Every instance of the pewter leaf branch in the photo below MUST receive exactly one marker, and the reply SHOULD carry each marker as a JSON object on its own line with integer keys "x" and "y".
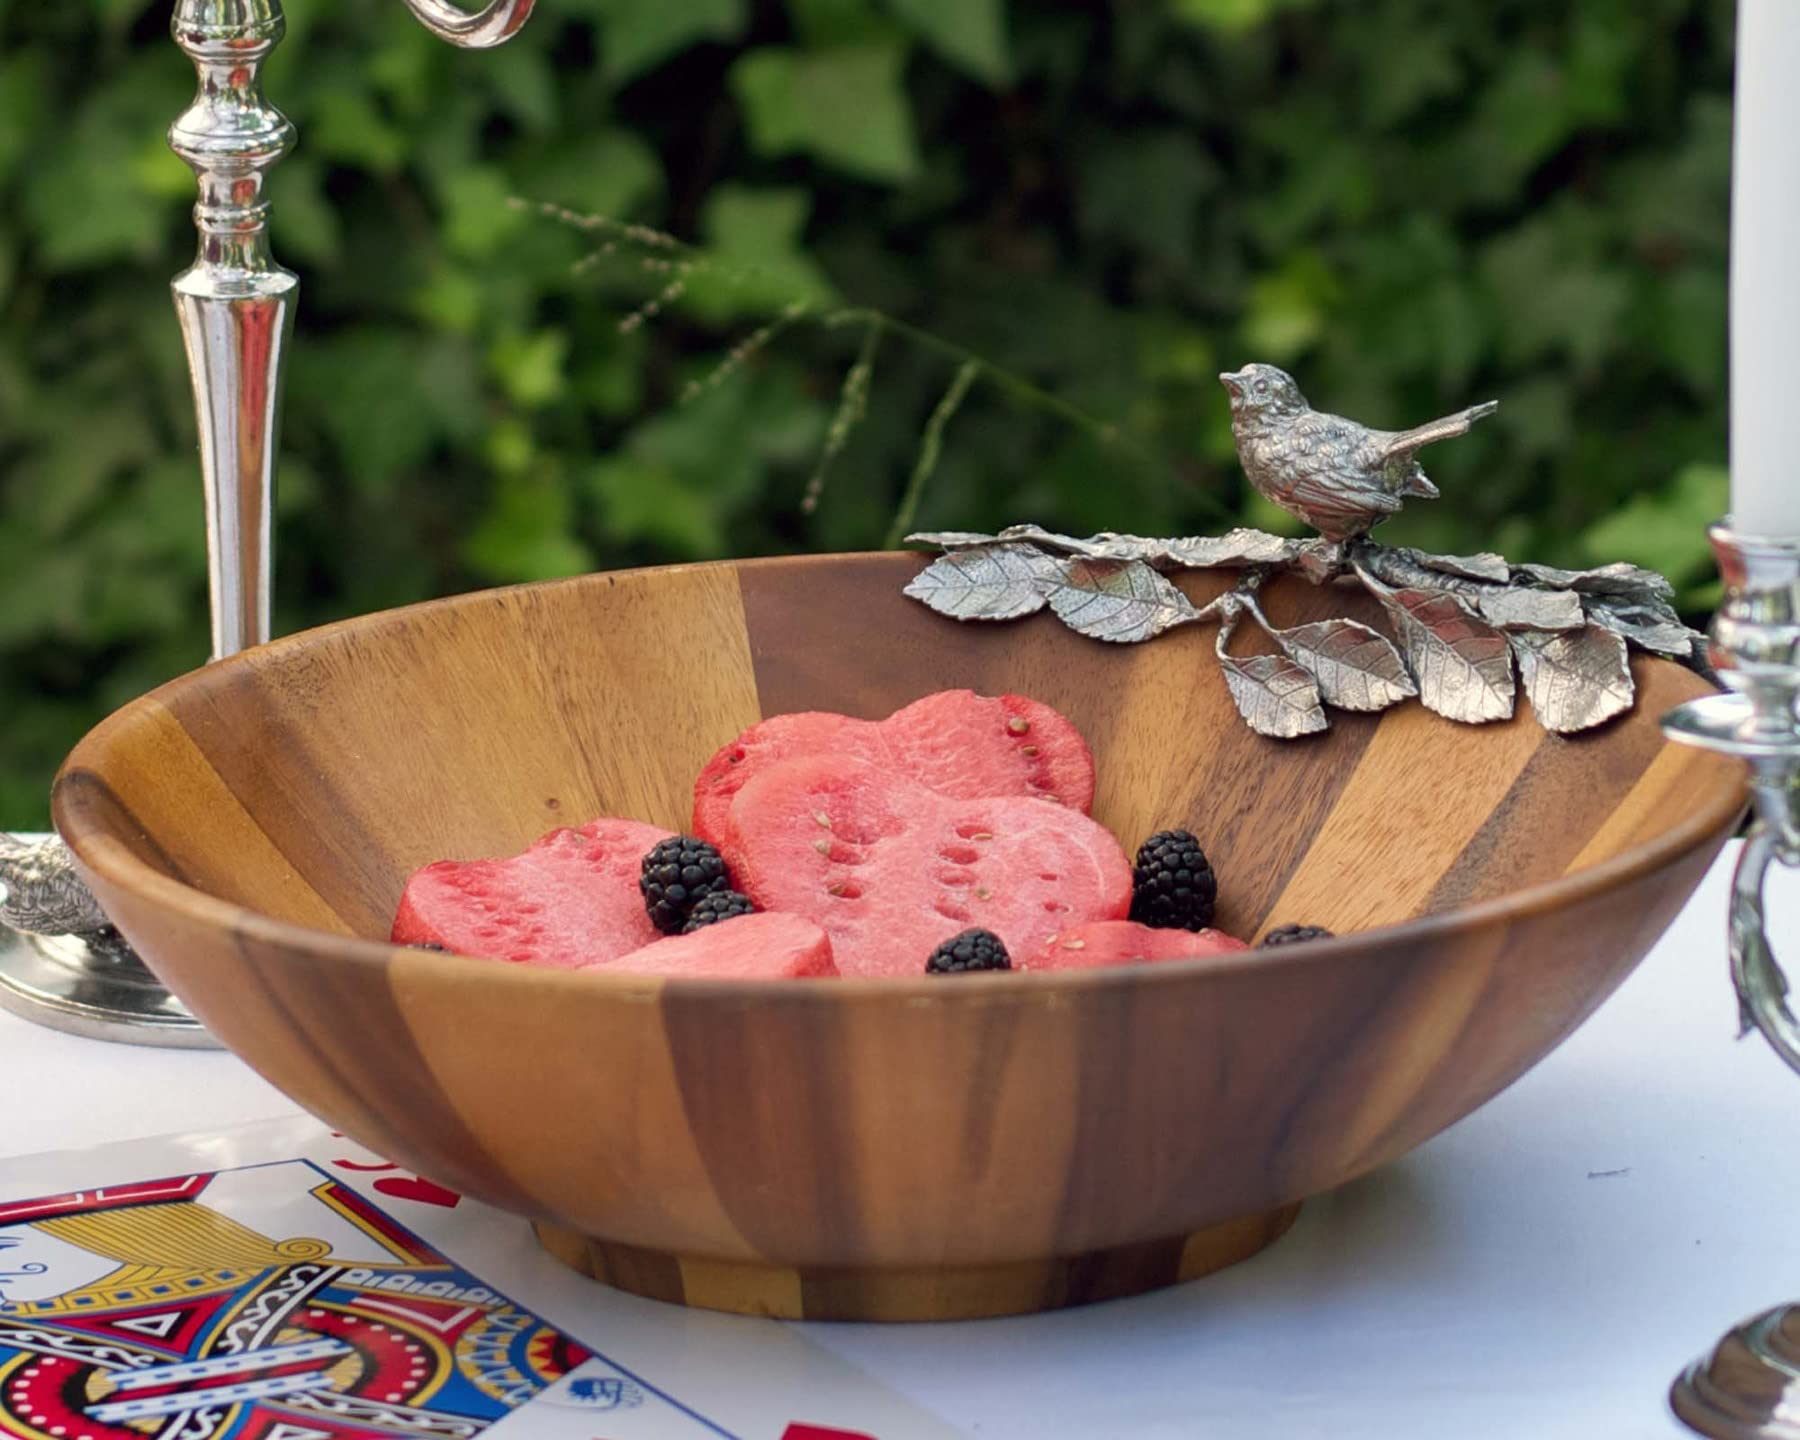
{"x": 1460, "y": 623}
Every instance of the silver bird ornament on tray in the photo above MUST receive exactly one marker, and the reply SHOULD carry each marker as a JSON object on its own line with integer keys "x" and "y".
{"x": 1340, "y": 477}
{"x": 1466, "y": 632}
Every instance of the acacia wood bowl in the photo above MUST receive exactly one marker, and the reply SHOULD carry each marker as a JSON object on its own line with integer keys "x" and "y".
{"x": 930, "y": 1148}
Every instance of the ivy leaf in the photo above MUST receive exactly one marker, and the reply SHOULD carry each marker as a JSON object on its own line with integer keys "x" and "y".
{"x": 845, "y": 106}
{"x": 820, "y": 24}
{"x": 1147, "y": 192}
{"x": 1121, "y": 602}
{"x": 526, "y": 533}
{"x": 1665, "y": 529}
{"x": 641, "y": 34}
{"x": 602, "y": 172}
{"x": 477, "y": 219}
{"x": 525, "y": 86}
{"x": 969, "y": 33}
{"x": 997, "y": 582}
{"x": 755, "y": 234}
{"x": 1289, "y": 308}
{"x": 530, "y": 367}
{"x": 1231, "y": 16}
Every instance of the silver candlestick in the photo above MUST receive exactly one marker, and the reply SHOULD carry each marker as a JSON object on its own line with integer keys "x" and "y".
{"x": 61, "y": 963}
{"x": 1748, "y": 1387}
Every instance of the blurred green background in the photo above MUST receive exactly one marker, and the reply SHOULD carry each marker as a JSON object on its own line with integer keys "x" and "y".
{"x": 1412, "y": 204}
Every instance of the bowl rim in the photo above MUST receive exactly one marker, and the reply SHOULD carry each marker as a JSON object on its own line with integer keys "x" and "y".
{"x": 104, "y": 856}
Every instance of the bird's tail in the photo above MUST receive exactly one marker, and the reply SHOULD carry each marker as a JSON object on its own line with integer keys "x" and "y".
{"x": 1447, "y": 428}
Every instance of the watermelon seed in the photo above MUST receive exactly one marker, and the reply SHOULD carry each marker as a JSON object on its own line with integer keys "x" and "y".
{"x": 983, "y": 893}
{"x": 822, "y": 846}
{"x": 1028, "y": 750}
{"x": 1018, "y": 725}
{"x": 822, "y": 818}
{"x": 1074, "y": 944}
{"x": 982, "y": 835}
{"x": 845, "y": 890}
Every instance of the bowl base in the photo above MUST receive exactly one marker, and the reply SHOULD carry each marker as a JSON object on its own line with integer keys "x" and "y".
{"x": 975, "y": 1293}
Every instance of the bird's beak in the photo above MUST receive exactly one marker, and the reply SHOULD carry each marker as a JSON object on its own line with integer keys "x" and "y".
{"x": 1232, "y": 381}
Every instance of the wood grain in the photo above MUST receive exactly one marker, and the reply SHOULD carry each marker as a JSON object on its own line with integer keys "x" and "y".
{"x": 978, "y": 1292}
{"x": 882, "y": 1149}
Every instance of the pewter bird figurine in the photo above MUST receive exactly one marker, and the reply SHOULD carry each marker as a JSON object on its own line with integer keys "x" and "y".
{"x": 1341, "y": 478}
{"x": 40, "y": 893}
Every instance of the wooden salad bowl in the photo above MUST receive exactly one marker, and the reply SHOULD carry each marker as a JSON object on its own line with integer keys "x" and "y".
{"x": 903, "y": 1149}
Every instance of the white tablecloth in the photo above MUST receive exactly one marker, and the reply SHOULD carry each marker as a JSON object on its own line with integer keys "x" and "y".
{"x": 1541, "y": 1270}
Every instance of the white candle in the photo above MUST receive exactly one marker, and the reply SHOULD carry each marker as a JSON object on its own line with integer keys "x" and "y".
{"x": 1765, "y": 271}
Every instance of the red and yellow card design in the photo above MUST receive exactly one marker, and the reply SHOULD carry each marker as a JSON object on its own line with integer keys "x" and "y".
{"x": 281, "y": 1301}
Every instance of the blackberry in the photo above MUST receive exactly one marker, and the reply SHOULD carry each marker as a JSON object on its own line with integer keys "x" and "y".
{"x": 1172, "y": 885}
{"x": 719, "y": 905}
{"x": 971, "y": 950}
{"x": 1294, "y": 934}
{"x": 678, "y": 873}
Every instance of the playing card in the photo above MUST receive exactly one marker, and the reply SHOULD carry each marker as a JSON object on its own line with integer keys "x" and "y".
{"x": 280, "y": 1283}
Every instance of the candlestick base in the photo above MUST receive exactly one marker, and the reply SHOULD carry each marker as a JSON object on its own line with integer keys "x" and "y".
{"x": 93, "y": 986}
{"x": 1748, "y": 1388}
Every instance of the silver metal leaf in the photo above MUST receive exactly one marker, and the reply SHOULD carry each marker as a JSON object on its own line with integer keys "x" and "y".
{"x": 1485, "y": 566}
{"x": 1463, "y": 666}
{"x": 1277, "y": 697}
{"x": 952, "y": 539}
{"x": 1235, "y": 547}
{"x": 1095, "y": 548}
{"x": 1620, "y": 579}
{"x": 1104, "y": 546}
{"x": 1521, "y": 608}
{"x": 1407, "y": 569}
{"x": 1195, "y": 552}
{"x": 1355, "y": 667}
{"x": 1121, "y": 602}
{"x": 1576, "y": 680}
{"x": 1652, "y": 625}
{"x": 993, "y": 582}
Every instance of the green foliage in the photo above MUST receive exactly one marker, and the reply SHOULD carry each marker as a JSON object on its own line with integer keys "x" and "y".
{"x": 1410, "y": 204}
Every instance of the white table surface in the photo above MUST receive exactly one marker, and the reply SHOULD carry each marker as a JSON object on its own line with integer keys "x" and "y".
{"x": 1541, "y": 1270}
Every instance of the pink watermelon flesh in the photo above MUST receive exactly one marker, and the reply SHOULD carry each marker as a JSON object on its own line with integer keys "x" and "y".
{"x": 570, "y": 900}
{"x": 767, "y": 744}
{"x": 751, "y": 947}
{"x": 890, "y": 868}
{"x": 1125, "y": 942}
{"x": 957, "y": 742}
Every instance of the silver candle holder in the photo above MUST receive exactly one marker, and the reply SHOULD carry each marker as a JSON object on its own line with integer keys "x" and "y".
{"x": 61, "y": 963}
{"x": 1748, "y": 1386}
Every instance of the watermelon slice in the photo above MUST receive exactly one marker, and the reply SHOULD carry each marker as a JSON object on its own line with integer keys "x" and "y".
{"x": 1125, "y": 942}
{"x": 570, "y": 900}
{"x": 957, "y": 742}
{"x": 889, "y": 867}
{"x": 751, "y": 947}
